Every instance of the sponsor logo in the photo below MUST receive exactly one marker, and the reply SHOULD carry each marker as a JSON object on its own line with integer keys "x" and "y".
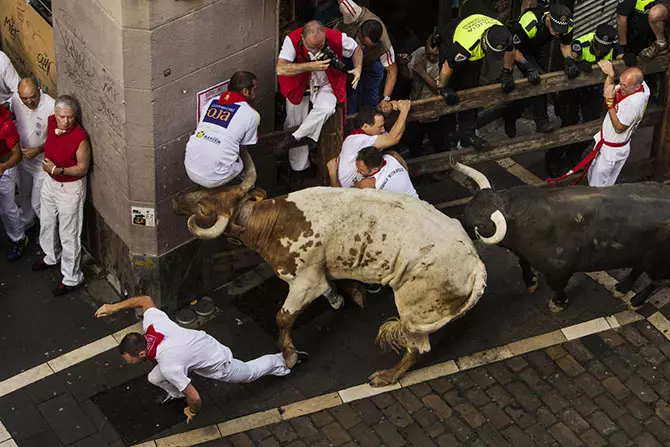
{"x": 220, "y": 114}
{"x": 460, "y": 57}
{"x": 202, "y": 135}
{"x": 576, "y": 47}
{"x": 516, "y": 39}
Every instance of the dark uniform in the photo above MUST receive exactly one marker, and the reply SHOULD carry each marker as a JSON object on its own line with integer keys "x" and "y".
{"x": 586, "y": 102}
{"x": 532, "y": 38}
{"x": 639, "y": 34}
{"x": 461, "y": 48}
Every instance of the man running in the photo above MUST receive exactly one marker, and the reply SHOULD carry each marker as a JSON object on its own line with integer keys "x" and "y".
{"x": 178, "y": 351}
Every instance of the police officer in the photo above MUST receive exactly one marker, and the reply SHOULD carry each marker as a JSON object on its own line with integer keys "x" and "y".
{"x": 533, "y": 33}
{"x": 632, "y": 21}
{"x": 658, "y": 15}
{"x": 464, "y": 46}
{"x": 586, "y": 50}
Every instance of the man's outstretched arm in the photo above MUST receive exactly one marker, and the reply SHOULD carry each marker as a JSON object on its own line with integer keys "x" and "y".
{"x": 145, "y": 302}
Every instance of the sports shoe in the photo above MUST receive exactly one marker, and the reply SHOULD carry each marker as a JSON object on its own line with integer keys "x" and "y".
{"x": 303, "y": 357}
{"x": 654, "y": 50}
{"x": 17, "y": 249}
{"x": 335, "y": 300}
{"x": 166, "y": 399}
{"x": 373, "y": 288}
{"x": 41, "y": 266}
{"x": 62, "y": 289}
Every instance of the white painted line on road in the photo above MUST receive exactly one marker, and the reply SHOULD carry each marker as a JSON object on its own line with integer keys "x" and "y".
{"x": 83, "y": 353}
{"x": 190, "y": 438}
{"x": 538, "y": 342}
{"x": 118, "y": 336}
{"x": 4, "y": 434}
{"x": 484, "y": 358}
{"x": 429, "y": 373}
{"x": 661, "y": 323}
{"x": 9, "y": 443}
{"x": 310, "y": 406}
{"x": 363, "y": 391}
{"x": 25, "y": 378}
{"x": 587, "y": 328}
{"x": 248, "y": 422}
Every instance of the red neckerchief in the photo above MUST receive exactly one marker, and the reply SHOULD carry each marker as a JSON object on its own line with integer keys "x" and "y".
{"x": 153, "y": 339}
{"x": 377, "y": 171}
{"x": 618, "y": 97}
{"x": 358, "y": 131}
{"x": 231, "y": 98}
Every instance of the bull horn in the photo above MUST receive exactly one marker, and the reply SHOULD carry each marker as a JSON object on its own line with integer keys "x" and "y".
{"x": 474, "y": 174}
{"x": 249, "y": 171}
{"x": 501, "y": 229}
{"x": 212, "y": 232}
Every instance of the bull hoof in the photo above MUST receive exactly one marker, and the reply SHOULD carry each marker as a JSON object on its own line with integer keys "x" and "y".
{"x": 291, "y": 358}
{"x": 557, "y": 306}
{"x": 533, "y": 286}
{"x": 383, "y": 377}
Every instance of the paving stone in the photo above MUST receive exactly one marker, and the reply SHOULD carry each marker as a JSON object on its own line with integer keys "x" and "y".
{"x": 618, "y": 367}
{"x": 584, "y": 405}
{"x": 241, "y": 440}
{"x": 658, "y": 428}
{"x": 630, "y": 425}
{"x": 574, "y": 421}
{"x": 496, "y": 416}
{"x": 364, "y": 435}
{"x": 554, "y": 401}
{"x": 540, "y": 435}
{"x": 662, "y": 410}
{"x": 589, "y": 385}
{"x": 517, "y": 437}
{"x": 636, "y": 407}
{"x": 438, "y": 406}
{"x": 470, "y": 414}
{"x": 389, "y": 435}
{"x": 481, "y": 377}
{"x": 490, "y": 436}
{"x": 646, "y": 440}
{"x": 641, "y": 389}
{"x": 620, "y": 439}
{"x": 424, "y": 417}
{"x": 43, "y": 439}
{"x": 336, "y": 434}
{"x": 283, "y": 431}
{"x": 516, "y": 364}
{"x": 610, "y": 406}
{"x": 383, "y": 400}
{"x": 533, "y": 381}
{"x": 592, "y": 438}
{"x": 300, "y": 443}
{"x": 601, "y": 422}
{"x": 564, "y": 435}
{"x": 612, "y": 338}
{"x": 45, "y": 389}
{"x": 632, "y": 335}
{"x": 407, "y": 399}
{"x": 653, "y": 355}
{"x": 454, "y": 398}
{"x": 500, "y": 395}
{"x": 616, "y": 388}
{"x": 598, "y": 370}
{"x": 258, "y": 434}
{"x": 66, "y": 419}
{"x": 448, "y": 440}
{"x": 629, "y": 354}
{"x": 498, "y": 371}
{"x": 416, "y": 436}
{"x": 420, "y": 389}
{"x": 20, "y": 416}
{"x": 578, "y": 350}
{"x": 367, "y": 411}
{"x": 477, "y": 397}
{"x": 597, "y": 345}
{"x": 649, "y": 373}
{"x": 321, "y": 418}
{"x": 304, "y": 428}
{"x": 441, "y": 385}
{"x": 520, "y": 416}
{"x": 663, "y": 389}
{"x": 545, "y": 417}
{"x": 462, "y": 381}
{"x": 542, "y": 362}
{"x": 459, "y": 428}
{"x": 524, "y": 396}
{"x": 95, "y": 440}
{"x": 563, "y": 384}
{"x": 346, "y": 416}
{"x": 556, "y": 352}
{"x": 397, "y": 415}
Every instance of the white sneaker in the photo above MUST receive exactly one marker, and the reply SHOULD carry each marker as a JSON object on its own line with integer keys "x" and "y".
{"x": 335, "y": 300}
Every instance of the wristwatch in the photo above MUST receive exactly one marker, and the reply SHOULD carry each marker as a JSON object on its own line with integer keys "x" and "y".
{"x": 387, "y": 98}
{"x": 62, "y": 171}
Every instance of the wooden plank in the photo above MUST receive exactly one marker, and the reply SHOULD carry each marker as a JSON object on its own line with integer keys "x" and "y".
{"x": 661, "y": 143}
{"x": 520, "y": 145}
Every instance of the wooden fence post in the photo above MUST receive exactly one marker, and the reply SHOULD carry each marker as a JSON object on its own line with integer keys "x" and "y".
{"x": 330, "y": 143}
{"x": 660, "y": 149}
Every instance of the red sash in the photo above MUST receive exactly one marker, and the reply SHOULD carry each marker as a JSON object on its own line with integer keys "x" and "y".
{"x": 586, "y": 162}
{"x": 153, "y": 339}
{"x": 358, "y": 131}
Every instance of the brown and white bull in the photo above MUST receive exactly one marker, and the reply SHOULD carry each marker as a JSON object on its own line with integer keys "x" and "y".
{"x": 320, "y": 233}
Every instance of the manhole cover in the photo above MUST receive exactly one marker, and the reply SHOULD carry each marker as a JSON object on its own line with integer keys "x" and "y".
{"x": 185, "y": 316}
{"x": 204, "y": 306}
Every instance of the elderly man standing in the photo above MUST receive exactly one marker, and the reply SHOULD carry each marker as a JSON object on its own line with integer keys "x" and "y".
{"x": 626, "y": 104}
{"x": 10, "y": 156}
{"x": 379, "y": 56}
{"x": 67, "y": 157}
{"x": 32, "y": 109}
{"x": 310, "y": 70}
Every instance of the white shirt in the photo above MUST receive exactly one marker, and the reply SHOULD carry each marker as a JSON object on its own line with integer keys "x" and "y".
{"x": 213, "y": 150}
{"x": 185, "y": 350}
{"x": 319, "y": 78}
{"x": 394, "y": 177}
{"x": 347, "y": 174}
{"x": 32, "y": 124}
{"x": 9, "y": 79}
{"x": 630, "y": 112}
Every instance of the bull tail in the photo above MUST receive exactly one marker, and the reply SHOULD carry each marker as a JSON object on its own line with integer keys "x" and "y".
{"x": 392, "y": 335}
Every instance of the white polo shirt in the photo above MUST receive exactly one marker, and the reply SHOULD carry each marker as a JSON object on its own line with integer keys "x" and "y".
{"x": 213, "y": 151}
{"x": 347, "y": 174}
{"x": 394, "y": 177}
{"x": 185, "y": 350}
{"x": 9, "y": 79}
{"x": 32, "y": 124}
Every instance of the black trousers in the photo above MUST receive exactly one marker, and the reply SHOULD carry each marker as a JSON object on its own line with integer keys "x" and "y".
{"x": 539, "y": 57}
{"x": 436, "y": 131}
{"x": 466, "y": 75}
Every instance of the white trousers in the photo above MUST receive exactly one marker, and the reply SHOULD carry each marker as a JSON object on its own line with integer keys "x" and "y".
{"x": 310, "y": 121}
{"x": 234, "y": 371}
{"x": 30, "y": 179}
{"x": 605, "y": 170}
{"x": 9, "y": 211}
{"x": 61, "y": 219}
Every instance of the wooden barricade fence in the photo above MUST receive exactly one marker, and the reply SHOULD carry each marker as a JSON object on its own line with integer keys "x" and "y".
{"x": 657, "y": 115}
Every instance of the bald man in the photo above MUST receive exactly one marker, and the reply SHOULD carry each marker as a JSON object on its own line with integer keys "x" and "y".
{"x": 31, "y": 108}
{"x": 626, "y": 103}
{"x": 308, "y": 72}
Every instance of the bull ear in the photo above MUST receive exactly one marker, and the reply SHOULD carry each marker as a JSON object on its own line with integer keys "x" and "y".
{"x": 258, "y": 193}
